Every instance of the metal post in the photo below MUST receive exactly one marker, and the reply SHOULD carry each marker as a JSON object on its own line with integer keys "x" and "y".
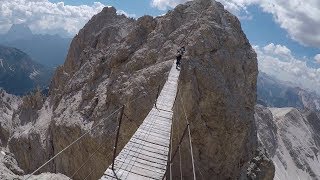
{"x": 118, "y": 132}
{"x": 171, "y": 144}
{"x": 158, "y": 93}
{"x": 175, "y": 152}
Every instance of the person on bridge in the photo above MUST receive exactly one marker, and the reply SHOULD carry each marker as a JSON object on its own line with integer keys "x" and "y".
{"x": 180, "y": 53}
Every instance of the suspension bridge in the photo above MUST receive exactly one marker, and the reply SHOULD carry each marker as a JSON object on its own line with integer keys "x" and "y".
{"x": 149, "y": 153}
{"x": 145, "y": 155}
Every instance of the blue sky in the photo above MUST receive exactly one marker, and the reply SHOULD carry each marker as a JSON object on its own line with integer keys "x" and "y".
{"x": 261, "y": 29}
{"x": 138, "y": 7}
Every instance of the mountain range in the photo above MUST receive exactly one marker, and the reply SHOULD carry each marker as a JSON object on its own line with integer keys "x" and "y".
{"x": 49, "y": 50}
{"x": 19, "y": 74}
{"x": 275, "y": 93}
{"x": 291, "y": 138}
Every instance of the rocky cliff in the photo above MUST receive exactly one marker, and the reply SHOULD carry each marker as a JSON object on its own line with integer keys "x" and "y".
{"x": 218, "y": 86}
{"x": 291, "y": 138}
{"x": 9, "y": 168}
{"x": 8, "y": 105}
{"x": 8, "y": 165}
{"x": 115, "y": 59}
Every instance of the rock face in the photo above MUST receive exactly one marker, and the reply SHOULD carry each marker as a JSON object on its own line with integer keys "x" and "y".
{"x": 291, "y": 138}
{"x": 8, "y": 105}
{"x": 275, "y": 93}
{"x": 218, "y": 105}
{"x": 114, "y": 60}
{"x": 9, "y": 168}
{"x": 260, "y": 167}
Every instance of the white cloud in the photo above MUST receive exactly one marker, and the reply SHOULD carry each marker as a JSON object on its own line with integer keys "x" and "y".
{"x": 231, "y": 5}
{"x": 317, "y": 58}
{"x": 300, "y": 18}
{"x": 237, "y": 7}
{"x": 286, "y": 67}
{"x": 278, "y": 50}
{"x": 165, "y": 4}
{"x": 120, "y": 12}
{"x": 45, "y": 17}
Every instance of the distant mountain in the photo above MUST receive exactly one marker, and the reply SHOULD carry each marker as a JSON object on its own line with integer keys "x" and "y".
{"x": 292, "y": 140}
{"x": 275, "y": 93}
{"x": 49, "y": 50}
{"x": 18, "y": 31}
{"x": 19, "y": 74}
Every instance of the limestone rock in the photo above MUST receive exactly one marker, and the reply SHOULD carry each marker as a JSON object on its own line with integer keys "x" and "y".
{"x": 11, "y": 164}
{"x": 9, "y": 169}
{"x": 8, "y": 165}
{"x": 28, "y": 110}
{"x": 48, "y": 176}
{"x": 267, "y": 129}
{"x": 261, "y": 167}
{"x": 218, "y": 86}
{"x": 8, "y": 105}
{"x": 291, "y": 138}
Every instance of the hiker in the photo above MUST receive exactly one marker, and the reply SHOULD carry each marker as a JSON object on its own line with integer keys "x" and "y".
{"x": 180, "y": 53}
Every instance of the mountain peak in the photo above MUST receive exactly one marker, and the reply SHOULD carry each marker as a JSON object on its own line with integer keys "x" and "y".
{"x": 19, "y": 31}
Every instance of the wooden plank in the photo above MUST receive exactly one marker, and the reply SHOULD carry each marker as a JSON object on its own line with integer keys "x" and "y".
{"x": 145, "y": 155}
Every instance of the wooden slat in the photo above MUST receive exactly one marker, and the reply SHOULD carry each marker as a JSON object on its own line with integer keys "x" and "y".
{"x": 145, "y": 155}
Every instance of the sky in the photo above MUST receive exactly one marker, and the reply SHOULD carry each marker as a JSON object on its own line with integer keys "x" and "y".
{"x": 285, "y": 34}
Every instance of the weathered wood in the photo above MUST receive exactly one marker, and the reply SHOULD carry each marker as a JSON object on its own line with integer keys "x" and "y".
{"x": 145, "y": 155}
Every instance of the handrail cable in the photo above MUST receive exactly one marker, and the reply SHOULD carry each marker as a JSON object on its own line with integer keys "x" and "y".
{"x": 190, "y": 138}
{"x": 175, "y": 152}
{"x": 83, "y": 164}
{"x": 90, "y": 159}
{"x": 92, "y": 170}
{"x": 180, "y": 161}
{"x": 94, "y": 152}
{"x": 88, "y": 175}
{"x": 102, "y": 120}
{"x": 198, "y": 167}
{"x": 75, "y": 141}
{"x": 114, "y": 131}
{"x": 171, "y": 144}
